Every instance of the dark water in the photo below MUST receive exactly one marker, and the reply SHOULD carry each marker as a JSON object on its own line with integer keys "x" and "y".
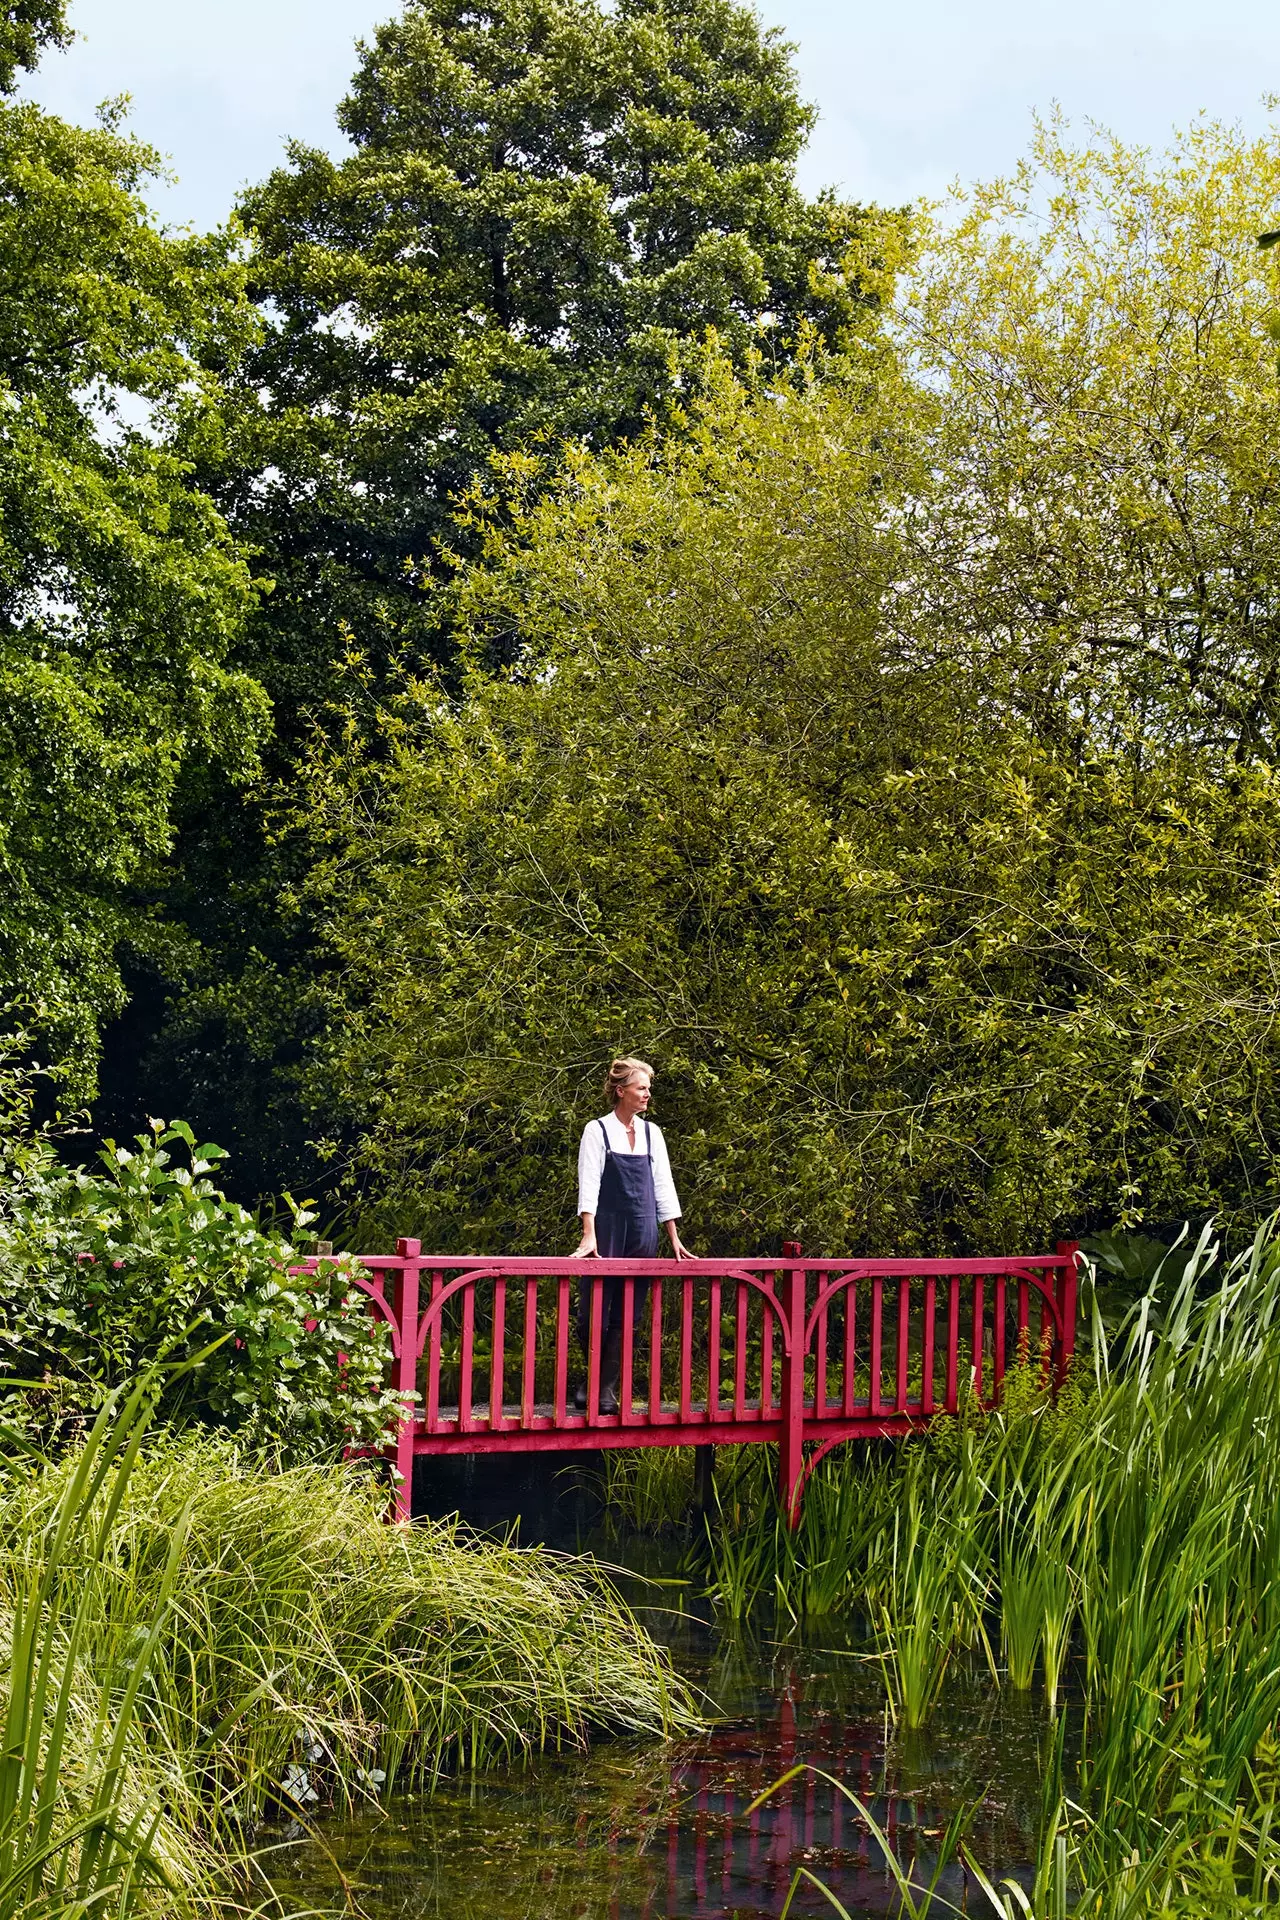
{"x": 646, "y": 1830}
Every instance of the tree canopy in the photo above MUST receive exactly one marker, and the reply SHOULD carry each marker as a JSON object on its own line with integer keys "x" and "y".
{"x": 121, "y": 592}
{"x": 891, "y": 760}
{"x": 547, "y": 202}
{"x": 546, "y": 205}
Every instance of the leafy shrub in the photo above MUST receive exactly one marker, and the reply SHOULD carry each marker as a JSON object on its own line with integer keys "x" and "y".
{"x": 105, "y": 1269}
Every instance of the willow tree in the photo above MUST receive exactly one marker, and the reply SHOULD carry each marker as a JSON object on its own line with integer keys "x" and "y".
{"x": 892, "y": 760}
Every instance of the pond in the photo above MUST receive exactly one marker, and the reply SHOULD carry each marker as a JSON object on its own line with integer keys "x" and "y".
{"x": 646, "y": 1830}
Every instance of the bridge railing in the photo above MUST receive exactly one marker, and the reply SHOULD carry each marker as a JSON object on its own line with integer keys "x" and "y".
{"x": 802, "y": 1352}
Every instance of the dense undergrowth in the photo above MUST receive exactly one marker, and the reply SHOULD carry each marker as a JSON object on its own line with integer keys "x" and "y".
{"x": 197, "y": 1640}
{"x": 1118, "y": 1550}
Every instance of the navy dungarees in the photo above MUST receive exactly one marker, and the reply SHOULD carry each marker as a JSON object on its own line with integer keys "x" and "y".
{"x": 626, "y": 1226}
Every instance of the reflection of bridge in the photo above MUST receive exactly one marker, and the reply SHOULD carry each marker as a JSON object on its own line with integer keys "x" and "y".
{"x": 800, "y": 1352}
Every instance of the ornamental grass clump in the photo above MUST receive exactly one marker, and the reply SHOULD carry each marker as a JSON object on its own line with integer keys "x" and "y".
{"x": 309, "y": 1649}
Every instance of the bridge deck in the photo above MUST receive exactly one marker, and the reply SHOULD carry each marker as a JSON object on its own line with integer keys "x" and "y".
{"x": 800, "y": 1352}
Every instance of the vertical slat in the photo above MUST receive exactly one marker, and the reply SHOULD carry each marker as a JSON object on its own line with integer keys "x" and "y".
{"x": 593, "y": 1351}
{"x": 998, "y": 1355}
{"x": 791, "y": 1439}
{"x": 740, "y": 1351}
{"x": 625, "y": 1415}
{"x": 766, "y": 1361}
{"x": 528, "y": 1387}
{"x": 465, "y": 1358}
{"x": 850, "y": 1344}
{"x": 1024, "y": 1325}
{"x": 904, "y": 1343}
{"x": 407, "y": 1374}
{"x": 655, "y": 1351}
{"x": 433, "y": 1357}
{"x": 713, "y": 1350}
{"x": 953, "y": 1343}
{"x": 686, "y": 1349}
{"x": 820, "y": 1356}
{"x": 498, "y": 1365}
{"x": 563, "y": 1310}
{"x": 926, "y": 1344}
{"x": 979, "y": 1362}
{"x": 877, "y": 1314}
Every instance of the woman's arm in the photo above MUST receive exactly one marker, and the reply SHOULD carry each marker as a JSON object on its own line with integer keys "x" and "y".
{"x": 678, "y": 1247}
{"x": 587, "y": 1244}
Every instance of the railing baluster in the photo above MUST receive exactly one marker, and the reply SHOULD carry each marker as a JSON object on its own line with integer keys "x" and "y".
{"x": 498, "y": 1357}
{"x": 433, "y": 1355}
{"x": 741, "y": 1306}
{"x": 595, "y": 1325}
{"x": 1024, "y": 1320}
{"x": 686, "y": 1350}
{"x": 820, "y": 1356}
{"x": 626, "y": 1417}
{"x": 953, "y": 1343}
{"x": 655, "y": 1352}
{"x": 904, "y": 1343}
{"x": 528, "y": 1384}
{"x": 713, "y": 1350}
{"x": 877, "y": 1316}
{"x": 465, "y": 1356}
{"x": 766, "y": 1360}
{"x": 998, "y": 1344}
{"x": 979, "y": 1358}
{"x": 850, "y": 1358}
{"x": 563, "y": 1310}
{"x": 926, "y": 1345}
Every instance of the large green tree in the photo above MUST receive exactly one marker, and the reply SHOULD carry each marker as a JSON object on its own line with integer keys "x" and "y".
{"x": 121, "y": 595}
{"x": 893, "y": 762}
{"x": 546, "y": 202}
{"x": 546, "y": 205}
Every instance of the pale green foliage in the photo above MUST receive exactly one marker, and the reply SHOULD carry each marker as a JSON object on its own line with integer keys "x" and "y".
{"x": 890, "y": 759}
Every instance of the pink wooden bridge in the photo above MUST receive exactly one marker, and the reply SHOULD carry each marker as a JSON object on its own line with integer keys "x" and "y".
{"x": 802, "y": 1353}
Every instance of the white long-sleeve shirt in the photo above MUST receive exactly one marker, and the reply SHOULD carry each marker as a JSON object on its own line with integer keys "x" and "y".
{"x": 591, "y": 1163}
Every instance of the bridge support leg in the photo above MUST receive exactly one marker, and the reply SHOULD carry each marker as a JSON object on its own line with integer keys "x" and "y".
{"x": 791, "y": 1445}
{"x": 406, "y": 1308}
{"x": 704, "y": 1481}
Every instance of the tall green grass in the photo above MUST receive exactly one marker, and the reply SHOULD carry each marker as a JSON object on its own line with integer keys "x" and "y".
{"x": 195, "y": 1640}
{"x": 90, "y": 1811}
{"x": 308, "y": 1648}
{"x": 1122, "y": 1545}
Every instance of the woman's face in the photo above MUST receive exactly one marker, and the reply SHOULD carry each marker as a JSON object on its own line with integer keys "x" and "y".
{"x": 633, "y": 1096}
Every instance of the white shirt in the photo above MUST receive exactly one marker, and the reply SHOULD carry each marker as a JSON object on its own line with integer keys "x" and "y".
{"x": 591, "y": 1163}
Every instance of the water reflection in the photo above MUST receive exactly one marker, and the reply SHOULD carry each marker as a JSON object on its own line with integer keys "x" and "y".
{"x": 638, "y": 1831}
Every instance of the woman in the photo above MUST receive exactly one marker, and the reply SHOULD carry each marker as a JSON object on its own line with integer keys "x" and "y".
{"x": 625, "y": 1192}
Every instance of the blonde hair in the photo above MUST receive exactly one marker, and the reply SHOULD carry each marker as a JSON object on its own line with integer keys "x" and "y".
{"x": 620, "y": 1071}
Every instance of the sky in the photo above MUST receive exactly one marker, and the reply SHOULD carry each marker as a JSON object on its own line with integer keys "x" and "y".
{"x": 912, "y": 94}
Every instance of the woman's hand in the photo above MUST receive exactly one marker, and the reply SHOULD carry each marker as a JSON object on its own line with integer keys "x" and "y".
{"x": 678, "y": 1247}
{"x": 586, "y": 1247}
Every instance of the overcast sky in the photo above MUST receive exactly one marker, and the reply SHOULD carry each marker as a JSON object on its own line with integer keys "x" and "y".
{"x": 912, "y": 95}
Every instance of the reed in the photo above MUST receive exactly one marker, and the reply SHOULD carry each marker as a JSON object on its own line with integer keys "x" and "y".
{"x": 1123, "y": 1542}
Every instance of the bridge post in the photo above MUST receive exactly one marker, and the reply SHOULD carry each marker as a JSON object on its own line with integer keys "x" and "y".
{"x": 704, "y": 1481}
{"x": 406, "y": 1371}
{"x": 1068, "y": 1289}
{"x": 791, "y": 1444}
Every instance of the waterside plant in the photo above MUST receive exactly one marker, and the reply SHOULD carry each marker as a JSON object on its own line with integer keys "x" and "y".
{"x": 197, "y": 1640}
{"x": 1119, "y": 1547}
